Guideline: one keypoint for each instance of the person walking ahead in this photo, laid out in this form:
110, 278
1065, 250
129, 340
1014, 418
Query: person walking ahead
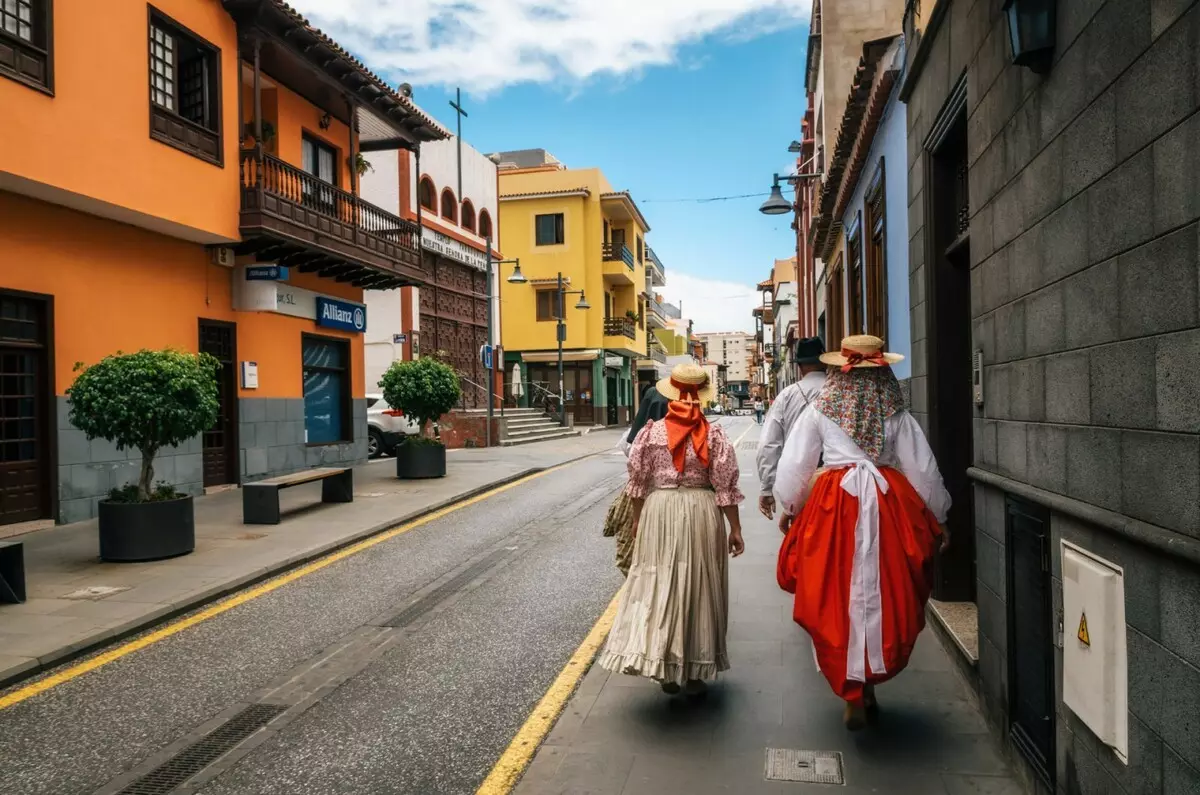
857, 557
758, 410
673, 611
783, 415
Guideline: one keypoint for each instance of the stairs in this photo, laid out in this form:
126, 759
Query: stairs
529, 425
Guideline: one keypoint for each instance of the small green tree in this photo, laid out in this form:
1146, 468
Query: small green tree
424, 389
146, 401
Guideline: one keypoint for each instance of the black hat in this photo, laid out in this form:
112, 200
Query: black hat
809, 350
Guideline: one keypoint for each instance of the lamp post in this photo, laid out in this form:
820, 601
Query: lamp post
560, 302
491, 376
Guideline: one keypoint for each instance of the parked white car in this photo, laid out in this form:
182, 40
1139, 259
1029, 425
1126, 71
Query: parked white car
386, 426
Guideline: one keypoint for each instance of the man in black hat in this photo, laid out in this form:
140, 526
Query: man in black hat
784, 412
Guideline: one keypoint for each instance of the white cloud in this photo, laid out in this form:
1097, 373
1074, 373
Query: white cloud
484, 45
711, 304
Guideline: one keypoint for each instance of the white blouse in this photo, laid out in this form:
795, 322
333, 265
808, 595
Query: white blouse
904, 448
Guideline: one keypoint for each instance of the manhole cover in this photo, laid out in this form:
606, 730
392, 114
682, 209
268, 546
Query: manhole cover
96, 592
808, 767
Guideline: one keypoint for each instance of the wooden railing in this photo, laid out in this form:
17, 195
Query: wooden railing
619, 327
618, 253
284, 181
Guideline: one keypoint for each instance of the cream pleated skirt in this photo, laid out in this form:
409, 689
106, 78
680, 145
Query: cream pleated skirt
674, 608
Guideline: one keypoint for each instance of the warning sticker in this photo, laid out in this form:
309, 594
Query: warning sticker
1082, 634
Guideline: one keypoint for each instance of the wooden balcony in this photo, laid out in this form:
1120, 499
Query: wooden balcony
620, 327
618, 264
291, 217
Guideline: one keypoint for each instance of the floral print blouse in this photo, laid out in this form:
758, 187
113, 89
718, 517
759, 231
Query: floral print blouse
651, 466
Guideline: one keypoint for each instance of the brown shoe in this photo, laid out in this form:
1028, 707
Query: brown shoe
855, 717
871, 705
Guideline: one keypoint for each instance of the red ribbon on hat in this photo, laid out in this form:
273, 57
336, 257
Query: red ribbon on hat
854, 358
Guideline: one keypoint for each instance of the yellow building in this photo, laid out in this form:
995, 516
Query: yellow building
571, 223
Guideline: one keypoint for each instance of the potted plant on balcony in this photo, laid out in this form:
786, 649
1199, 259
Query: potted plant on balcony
629, 313
268, 132
360, 164
424, 390
146, 401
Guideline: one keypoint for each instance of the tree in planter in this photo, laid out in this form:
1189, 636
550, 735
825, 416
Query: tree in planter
146, 401
423, 389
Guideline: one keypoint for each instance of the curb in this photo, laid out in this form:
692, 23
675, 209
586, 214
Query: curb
17, 673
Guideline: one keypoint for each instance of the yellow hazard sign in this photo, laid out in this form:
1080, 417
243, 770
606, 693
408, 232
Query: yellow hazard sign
1082, 634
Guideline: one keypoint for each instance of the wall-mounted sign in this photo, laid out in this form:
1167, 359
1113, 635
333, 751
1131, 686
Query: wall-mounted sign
343, 315
249, 375
266, 273
286, 299
452, 249
485, 356
399, 339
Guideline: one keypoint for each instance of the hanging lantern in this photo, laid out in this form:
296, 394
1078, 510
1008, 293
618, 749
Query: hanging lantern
1031, 32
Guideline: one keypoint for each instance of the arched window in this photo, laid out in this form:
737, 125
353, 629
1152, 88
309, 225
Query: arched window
449, 206
468, 215
428, 194
485, 224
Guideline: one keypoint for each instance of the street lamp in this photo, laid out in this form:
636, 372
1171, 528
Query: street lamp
560, 296
775, 203
491, 376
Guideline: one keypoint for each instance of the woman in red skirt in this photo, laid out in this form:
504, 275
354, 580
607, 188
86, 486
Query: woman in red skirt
857, 557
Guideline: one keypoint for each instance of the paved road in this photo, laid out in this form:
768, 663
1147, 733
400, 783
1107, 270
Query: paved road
404, 668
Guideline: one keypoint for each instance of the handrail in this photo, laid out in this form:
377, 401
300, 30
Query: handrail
278, 178
463, 400
611, 253
619, 326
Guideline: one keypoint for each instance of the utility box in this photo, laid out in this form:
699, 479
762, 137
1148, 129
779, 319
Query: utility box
1095, 658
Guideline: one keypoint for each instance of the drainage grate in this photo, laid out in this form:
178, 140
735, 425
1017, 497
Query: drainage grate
430, 600
202, 753
808, 767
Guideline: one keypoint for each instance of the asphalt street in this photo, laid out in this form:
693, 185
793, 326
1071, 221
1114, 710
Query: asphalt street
404, 668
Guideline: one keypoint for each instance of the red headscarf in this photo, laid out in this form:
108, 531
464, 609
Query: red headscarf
685, 420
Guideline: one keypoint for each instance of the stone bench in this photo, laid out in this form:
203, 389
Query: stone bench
12, 572
260, 499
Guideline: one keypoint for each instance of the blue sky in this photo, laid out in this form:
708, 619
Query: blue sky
697, 105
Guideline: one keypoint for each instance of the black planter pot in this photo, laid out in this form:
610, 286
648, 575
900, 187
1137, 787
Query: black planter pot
132, 532
420, 461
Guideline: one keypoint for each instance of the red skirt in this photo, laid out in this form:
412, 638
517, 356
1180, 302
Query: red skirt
816, 563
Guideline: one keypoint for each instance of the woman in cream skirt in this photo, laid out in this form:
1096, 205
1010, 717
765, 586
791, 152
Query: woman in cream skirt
674, 608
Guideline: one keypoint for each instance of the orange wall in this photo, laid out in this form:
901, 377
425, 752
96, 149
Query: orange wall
93, 136
119, 288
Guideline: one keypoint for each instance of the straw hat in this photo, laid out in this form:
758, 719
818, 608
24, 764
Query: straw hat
869, 348
687, 374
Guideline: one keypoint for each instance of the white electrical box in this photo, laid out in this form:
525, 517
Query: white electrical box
1095, 658
249, 375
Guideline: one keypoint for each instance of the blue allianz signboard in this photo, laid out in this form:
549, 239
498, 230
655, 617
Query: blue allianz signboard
343, 315
266, 273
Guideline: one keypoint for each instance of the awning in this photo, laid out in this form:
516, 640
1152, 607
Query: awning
568, 356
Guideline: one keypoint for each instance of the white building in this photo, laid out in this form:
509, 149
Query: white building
732, 349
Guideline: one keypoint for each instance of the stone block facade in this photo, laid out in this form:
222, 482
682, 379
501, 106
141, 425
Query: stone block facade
1084, 235
468, 430
270, 437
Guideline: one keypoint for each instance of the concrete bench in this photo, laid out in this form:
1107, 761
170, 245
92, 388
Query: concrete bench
12, 572
260, 500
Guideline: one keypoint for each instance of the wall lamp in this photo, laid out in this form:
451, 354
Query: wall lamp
1031, 32
775, 203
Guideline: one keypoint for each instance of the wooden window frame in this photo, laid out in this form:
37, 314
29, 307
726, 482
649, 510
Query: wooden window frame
452, 205
875, 253
167, 125
14, 50
835, 303
550, 297
433, 194
560, 229
347, 398
855, 278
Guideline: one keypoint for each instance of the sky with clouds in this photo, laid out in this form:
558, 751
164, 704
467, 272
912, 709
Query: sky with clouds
678, 102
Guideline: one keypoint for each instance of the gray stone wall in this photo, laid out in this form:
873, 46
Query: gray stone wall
87, 471
1085, 299
271, 436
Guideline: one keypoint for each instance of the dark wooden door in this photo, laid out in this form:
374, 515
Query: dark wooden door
25, 404
613, 399
951, 409
219, 340
1030, 641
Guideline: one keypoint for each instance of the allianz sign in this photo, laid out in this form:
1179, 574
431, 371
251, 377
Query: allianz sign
341, 315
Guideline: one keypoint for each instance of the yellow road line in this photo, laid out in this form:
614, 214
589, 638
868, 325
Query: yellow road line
100, 660
520, 751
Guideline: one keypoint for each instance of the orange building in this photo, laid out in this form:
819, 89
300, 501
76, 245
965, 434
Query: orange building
184, 174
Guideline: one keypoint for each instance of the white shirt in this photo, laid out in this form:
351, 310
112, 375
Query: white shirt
905, 448
783, 415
